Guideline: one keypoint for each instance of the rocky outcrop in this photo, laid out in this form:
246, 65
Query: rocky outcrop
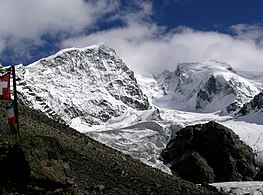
259, 176
256, 104
209, 153
194, 168
214, 86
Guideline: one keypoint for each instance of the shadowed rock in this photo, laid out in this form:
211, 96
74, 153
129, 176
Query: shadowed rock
210, 153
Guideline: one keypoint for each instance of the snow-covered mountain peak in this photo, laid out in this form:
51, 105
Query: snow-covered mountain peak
93, 48
209, 66
91, 83
204, 87
93, 57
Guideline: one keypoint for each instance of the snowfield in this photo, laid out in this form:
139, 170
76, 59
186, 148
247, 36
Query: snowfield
240, 188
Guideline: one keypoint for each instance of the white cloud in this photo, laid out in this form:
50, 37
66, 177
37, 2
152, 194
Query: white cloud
143, 45
147, 48
2, 45
30, 20
251, 33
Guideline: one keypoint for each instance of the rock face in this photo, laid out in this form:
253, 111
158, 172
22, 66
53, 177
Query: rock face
92, 84
252, 111
194, 168
256, 104
204, 87
209, 153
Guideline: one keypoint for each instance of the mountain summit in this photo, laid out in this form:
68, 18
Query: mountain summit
91, 84
204, 87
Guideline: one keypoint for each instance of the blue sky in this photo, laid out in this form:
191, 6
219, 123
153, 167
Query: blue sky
208, 14
148, 35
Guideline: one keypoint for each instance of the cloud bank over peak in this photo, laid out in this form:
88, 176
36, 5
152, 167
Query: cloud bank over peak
146, 47
30, 27
252, 33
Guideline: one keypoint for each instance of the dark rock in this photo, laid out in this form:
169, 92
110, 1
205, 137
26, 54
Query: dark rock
259, 176
212, 86
203, 98
14, 166
255, 104
194, 168
215, 86
213, 147
52, 155
232, 107
210, 187
37, 161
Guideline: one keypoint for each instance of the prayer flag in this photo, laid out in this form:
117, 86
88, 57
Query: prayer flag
12, 123
5, 87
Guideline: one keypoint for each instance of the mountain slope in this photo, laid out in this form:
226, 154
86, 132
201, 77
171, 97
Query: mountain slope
252, 111
256, 105
46, 143
204, 87
92, 84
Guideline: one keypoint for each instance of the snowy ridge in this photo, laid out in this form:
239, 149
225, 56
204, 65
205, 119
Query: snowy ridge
204, 87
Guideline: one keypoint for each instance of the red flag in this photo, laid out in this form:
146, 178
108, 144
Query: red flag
5, 87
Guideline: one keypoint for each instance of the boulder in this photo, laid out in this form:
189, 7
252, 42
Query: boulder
212, 148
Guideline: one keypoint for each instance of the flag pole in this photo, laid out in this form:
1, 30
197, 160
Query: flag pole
15, 98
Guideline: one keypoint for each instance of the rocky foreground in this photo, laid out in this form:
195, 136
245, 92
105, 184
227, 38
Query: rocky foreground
54, 159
